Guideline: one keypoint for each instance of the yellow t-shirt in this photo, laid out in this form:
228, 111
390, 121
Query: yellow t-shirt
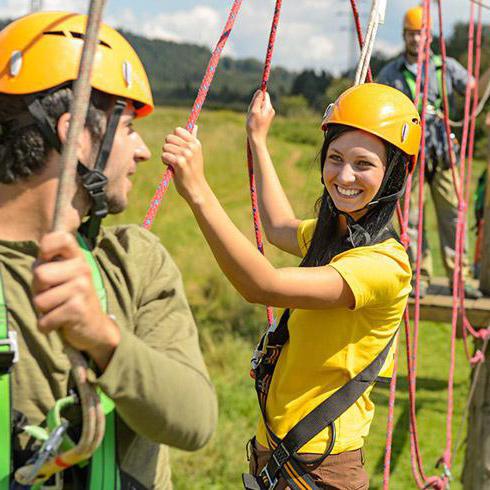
329, 347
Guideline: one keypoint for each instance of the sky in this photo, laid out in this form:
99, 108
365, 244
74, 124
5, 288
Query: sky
313, 34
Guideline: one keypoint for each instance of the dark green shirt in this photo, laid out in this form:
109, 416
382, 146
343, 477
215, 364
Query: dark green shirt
156, 377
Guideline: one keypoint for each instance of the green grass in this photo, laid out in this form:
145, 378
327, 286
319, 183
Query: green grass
229, 326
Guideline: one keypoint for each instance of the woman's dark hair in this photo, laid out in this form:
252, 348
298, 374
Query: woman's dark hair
374, 227
24, 149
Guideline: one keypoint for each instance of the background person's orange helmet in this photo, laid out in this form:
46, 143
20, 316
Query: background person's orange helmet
42, 51
380, 110
414, 19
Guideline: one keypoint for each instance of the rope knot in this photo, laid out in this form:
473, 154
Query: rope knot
405, 239
477, 358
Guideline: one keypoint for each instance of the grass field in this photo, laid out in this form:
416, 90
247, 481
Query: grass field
229, 327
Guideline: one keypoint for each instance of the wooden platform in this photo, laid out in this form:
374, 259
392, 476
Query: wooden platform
438, 304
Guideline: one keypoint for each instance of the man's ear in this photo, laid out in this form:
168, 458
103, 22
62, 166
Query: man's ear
84, 145
62, 127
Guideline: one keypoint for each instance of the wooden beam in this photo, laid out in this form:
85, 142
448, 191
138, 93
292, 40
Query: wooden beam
485, 253
437, 306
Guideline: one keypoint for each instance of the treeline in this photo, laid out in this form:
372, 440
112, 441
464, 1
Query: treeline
176, 70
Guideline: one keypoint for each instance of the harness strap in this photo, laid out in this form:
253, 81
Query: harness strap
6, 361
284, 458
411, 82
103, 471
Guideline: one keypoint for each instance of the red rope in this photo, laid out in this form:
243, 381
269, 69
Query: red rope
250, 162
360, 37
391, 421
466, 323
412, 344
458, 286
196, 110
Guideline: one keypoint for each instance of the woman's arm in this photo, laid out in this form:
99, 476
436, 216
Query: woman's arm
246, 268
277, 216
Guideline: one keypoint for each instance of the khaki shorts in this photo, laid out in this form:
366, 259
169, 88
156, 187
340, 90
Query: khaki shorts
344, 471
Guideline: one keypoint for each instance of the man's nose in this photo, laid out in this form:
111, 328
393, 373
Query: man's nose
142, 152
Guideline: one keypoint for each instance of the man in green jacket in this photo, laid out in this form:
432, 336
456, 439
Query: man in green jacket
144, 349
401, 73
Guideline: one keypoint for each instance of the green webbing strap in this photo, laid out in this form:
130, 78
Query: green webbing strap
5, 403
104, 473
410, 79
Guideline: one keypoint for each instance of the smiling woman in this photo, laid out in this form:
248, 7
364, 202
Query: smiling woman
340, 320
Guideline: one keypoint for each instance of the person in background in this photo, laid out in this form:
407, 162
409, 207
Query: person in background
401, 74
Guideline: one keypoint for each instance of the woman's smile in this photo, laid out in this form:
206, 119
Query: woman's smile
347, 192
353, 170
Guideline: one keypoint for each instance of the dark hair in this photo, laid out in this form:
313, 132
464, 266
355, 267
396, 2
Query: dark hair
24, 149
374, 227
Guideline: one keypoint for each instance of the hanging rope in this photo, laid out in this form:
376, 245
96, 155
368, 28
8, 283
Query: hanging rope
378, 9
421, 479
250, 163
93, 424
360, 37
196, 110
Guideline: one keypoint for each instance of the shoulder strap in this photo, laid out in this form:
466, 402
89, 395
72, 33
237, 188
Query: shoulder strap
104, 471
410, 80
5, 395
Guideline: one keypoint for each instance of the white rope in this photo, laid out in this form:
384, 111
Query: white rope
376, 17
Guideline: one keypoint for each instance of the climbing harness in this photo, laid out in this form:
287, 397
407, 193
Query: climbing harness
410, 80
284, 460
103, 469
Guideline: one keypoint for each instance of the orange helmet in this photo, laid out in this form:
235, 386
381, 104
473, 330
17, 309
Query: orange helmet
380, 110
414, 19
42, 51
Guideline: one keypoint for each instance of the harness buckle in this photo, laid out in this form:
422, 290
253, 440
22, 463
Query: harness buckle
269, 482
10, 357
280, 455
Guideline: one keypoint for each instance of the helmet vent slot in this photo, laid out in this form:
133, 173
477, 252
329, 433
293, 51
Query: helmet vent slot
76, 35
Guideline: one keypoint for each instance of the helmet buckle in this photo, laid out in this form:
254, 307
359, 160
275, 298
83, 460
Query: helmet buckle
94, 182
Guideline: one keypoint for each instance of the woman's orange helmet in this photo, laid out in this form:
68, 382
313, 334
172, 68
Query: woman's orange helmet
380, 110
42, 51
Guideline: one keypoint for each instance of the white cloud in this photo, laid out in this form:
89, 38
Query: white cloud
200, 25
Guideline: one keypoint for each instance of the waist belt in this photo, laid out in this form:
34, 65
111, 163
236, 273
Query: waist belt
284, 460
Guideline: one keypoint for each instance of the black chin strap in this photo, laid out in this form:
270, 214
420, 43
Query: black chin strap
93, 180
352, 225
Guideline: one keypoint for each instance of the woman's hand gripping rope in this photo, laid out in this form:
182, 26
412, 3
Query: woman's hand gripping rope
182, 152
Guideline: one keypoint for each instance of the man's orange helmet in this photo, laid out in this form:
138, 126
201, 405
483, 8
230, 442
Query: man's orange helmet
380, 110
414, 19
42, 51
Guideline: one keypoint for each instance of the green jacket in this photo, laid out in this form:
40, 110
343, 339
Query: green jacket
157, 377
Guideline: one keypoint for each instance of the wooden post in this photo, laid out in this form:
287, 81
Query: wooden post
485, 250
476, 473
